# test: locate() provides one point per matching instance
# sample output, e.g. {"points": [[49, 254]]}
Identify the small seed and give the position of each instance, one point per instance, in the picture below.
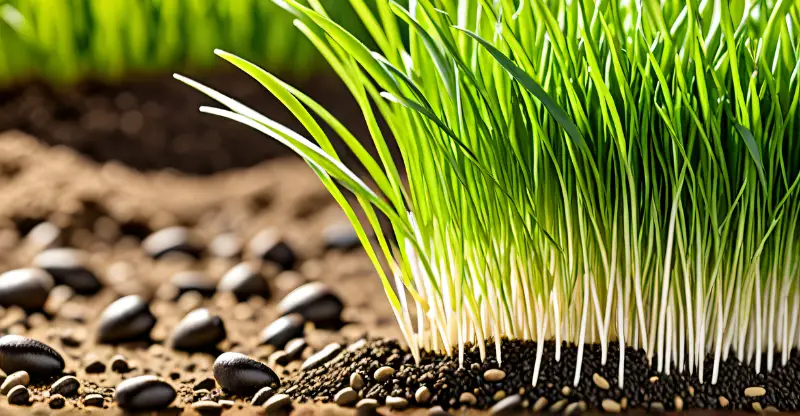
{"points": [[345, 397], [19, 378], [691, 391], [600, 381], [499, 395], [723, 401], [437, 411], [509, 405], [356, 381], [422, 395], [494, 375], [277, 402], [397, 403], [653, 379], [611, 406], [19, 395], [558, 406], [657, 407], [573, 408], [566, 390], [383, 373], [56, 401], [367, 406], [94, 400], [540, 404], [624, 403], [757, 407], [262, 396], [207, 407], [467, 398], [755, 391], [678, 403]]}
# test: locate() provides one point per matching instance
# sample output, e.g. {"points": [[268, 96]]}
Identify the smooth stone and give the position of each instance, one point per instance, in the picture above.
{"points": [[723, 401], [19, 353], [19, 395], [494, 375], [509, 405], [68, 266], [499, 395], [144, 392], [119, 364], [611, 406], [244, 280], [572, 409], [678, 403], [749, 392], [322, 356], [558, 406], [262, 396], [225, 245], [539, 405], [127, 318], [356, 381], [66, 386], [94, 400], [345, 397], [383, 374], [600, 381], [277, 402], [657, 407], [193, 281], [267, 245], [242, 375], [396, 403], [422, 395], [340, 236], [437, 411], [199, 329], [26, 288], [20, 378], [283, 330], [367, 405], [169, 240], [207, 407], [294, 348], [44, 235], [467, 398], [56, 401], [315, 301]]}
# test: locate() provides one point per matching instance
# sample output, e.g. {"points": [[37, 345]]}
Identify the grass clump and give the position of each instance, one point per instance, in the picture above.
{"points": [[588, 172]]}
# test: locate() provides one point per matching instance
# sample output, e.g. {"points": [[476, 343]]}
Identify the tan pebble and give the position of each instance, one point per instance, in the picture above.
{"points": [[691, 391], [757, 407], [771, 409], [206, 406], [657, 407], [539, 405], [367, 405], [397, 403], [356, 381], [19, 395], [572, 409], [600, 381], [383, 373], [558, 406], [566, 390], [755, 391], [346, 397], [422, 395], [19, 378], [723, 401], [499, 395], [678, 403], [611, 406], [467, 398], [653, 379], [494, 375], [624, 403], [277, 402]]}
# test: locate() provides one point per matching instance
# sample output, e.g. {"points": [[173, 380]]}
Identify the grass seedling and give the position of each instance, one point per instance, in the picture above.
{"points": [[583, 172]]}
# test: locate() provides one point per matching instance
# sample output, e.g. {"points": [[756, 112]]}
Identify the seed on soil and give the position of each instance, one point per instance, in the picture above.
{"points": [[657, 407], [56, 401], [383, 374], [26, 288], [678, 403], [367, 406], [95, 366], [322, 356], [509, 405], [244, 280], [356, 381], [611, 406], [653, 379], [723, 401], [277, 402], [199, 329], [600, 381], [294, 348], [539, 405], [205, 407], [499, 395], [572, 409], [494, 375], [345, 397], [757, 407], [66, 386], [565, 391], [283, 330], [19, 378], [57, 298], [751, 391], [242, 375], [315, 301], [170, 240], [19, 395], [422, 395], [226, 404], [127, 318], [20, 353], [68, 267], [279, 357], [623, 403], [262, 396], [119, 364], [267, 245], [44, 235], [467, 398], [558, 406], [226, 246], [207, 383], [144, 392], [437, 411], [193, 281], [396, 403], [93, 400], [340, 236]]}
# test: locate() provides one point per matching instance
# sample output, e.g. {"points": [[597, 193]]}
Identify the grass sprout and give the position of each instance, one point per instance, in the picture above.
{"points": [[582, 172]]}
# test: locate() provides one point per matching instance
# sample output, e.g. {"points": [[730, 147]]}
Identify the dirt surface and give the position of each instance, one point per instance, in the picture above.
{"points": [[106, 209]]}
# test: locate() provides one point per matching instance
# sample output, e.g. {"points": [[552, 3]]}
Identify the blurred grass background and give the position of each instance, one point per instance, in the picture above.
{"points": [[67, 41]]}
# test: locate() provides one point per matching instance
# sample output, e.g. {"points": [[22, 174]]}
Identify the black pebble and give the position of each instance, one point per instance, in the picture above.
{"points": [[198, 330], [511, 405], [128, 318], [315, 302], [242, 375], [18, 353], [26, 288], [68, 267], [144, 392], [190, 280], [267, 245], [341, 237], [170, 240], [283, 330], [244, 280]]}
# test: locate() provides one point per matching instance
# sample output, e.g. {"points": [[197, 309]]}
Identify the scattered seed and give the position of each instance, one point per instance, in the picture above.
{"points": [[558, 406], [127, 318], [422, 395], [95, 366], [723, 401], [262, 396], [539, 405], [277, 402], [509, 405], [170, 240], [755, 391], [566, 390], [356, 381], [494, 375], [467, 398], [653, 379], [241, 374], [93, 400], [384, 373], [624, 403], [144, 392], [437, 411], [66, 386], [19, 353], [600, 381], [19, 378], [396, 403], [226, 404], [198, 330], [68, 267], [346, 397], [678, 403], [207, 383], [657, 407], [294, 348], [26, 288], [367, 405], [322, 356], [207, 407], [56, 401], [192, 281], [119, 364], [499, 395], [691, 391], [283, 330], [315, 301], [267, 245], [19, 395], [611, 406], [244, 280], [572, 408]]}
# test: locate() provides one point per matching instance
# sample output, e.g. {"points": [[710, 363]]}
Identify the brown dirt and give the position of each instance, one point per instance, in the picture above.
{"points": [[105, 208]]}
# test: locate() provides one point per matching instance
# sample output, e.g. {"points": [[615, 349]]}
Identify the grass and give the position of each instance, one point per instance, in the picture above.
{"points": [[68, 41], [580, 172]]}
